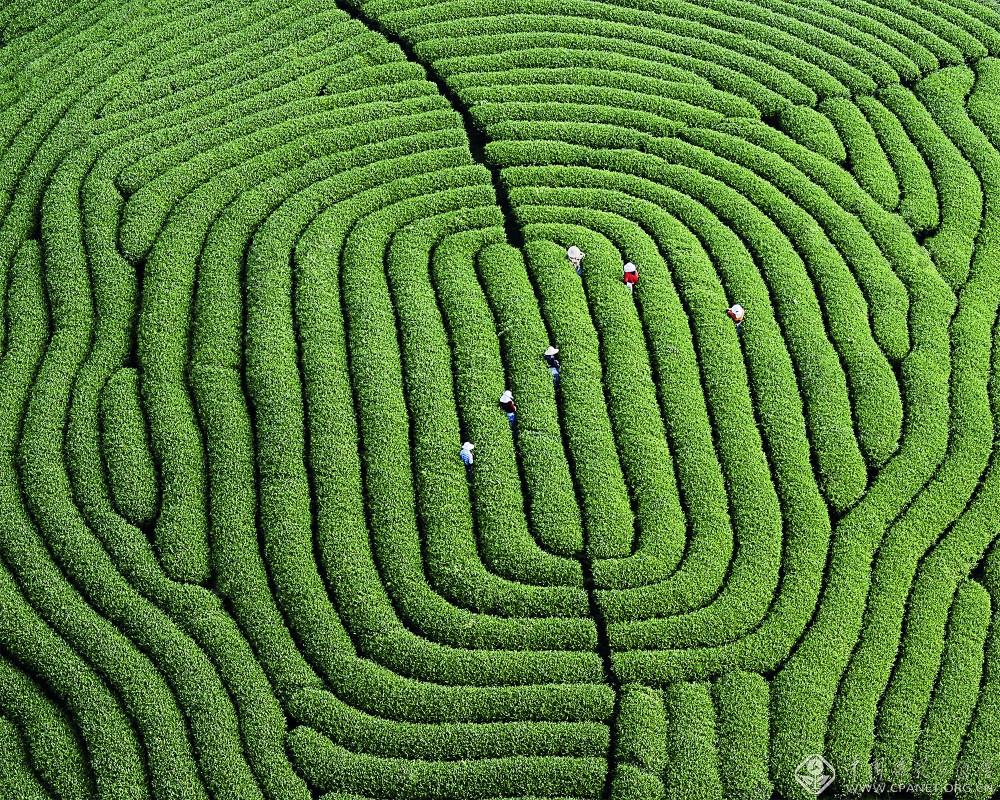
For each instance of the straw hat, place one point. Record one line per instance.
(506, 397)
(630, 267)
(468, 446)
(575, 252)
(552, 351)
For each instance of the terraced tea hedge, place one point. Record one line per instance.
(265, 266)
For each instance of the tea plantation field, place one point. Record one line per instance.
(266, 265)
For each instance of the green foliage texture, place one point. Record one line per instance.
(266, 265)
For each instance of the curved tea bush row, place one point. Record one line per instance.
(741, 719)
(958, 683)
(532, 48)
(241, 557)
(605, 502)
(18, 777)
(958, 187)
(112, 744)
(110, 311)
(640, 751)
(691, 765)
(113, 749)
(982, 742)
(131, 473)
(55, 750)
(869, 162)
(918, 201)
(330, 767)
(957, 479)
(363, 733)
(627, 382)
(502, 528)
(500, 270)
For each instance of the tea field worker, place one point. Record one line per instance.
(736, 314)
(575, 256)
(507, 404)
(466, 455)
(553, 362)
(630, 275)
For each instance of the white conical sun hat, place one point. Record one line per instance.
(574, 252)
(551, 351)
(468, 446)
(506, 397)
(630, 267)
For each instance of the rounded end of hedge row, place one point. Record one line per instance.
(811, 129)
(131, 471)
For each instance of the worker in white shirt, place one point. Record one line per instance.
(466, 455)
(736, 314)
(553, 362)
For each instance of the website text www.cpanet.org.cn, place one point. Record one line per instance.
(915, 789)
(816, 774)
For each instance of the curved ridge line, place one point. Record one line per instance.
(477, 138)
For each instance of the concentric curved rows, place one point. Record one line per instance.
(265, 266)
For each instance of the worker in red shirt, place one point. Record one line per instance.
(630, 275)
(736, 314)
(507, 404)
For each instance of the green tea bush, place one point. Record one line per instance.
(746, 475)
(869, 163)
(741, 715)
(642, 729)
(330, 767)
(603, 494)
(627, 376)
(124, 441)
(632, 783)
(571, 52)
(504, 530)
(18, 779)
(981, 745)
(55, 749)
(957, 185)
(878, 412)
(501, 271)
(789, 79)
(360, 732)
(265, 266)
(814, 131)
(958, 684)
(691, 768)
